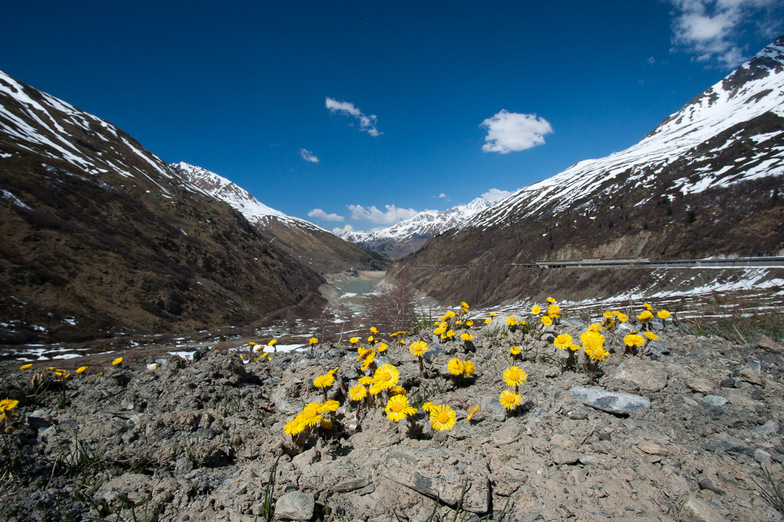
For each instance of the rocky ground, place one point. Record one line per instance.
(682, 433)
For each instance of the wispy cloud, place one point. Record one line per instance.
(512, 131)
(317, 213)
(308, 156)
(390, 216)
(712, 29)
(496, 195)
(366, 123)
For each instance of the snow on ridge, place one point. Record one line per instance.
(423, 224)
(218, 187)
(720, 107)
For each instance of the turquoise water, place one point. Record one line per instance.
(357, 286)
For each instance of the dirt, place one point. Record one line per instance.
(204, 439)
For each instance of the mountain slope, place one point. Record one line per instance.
(705, 182)
(310, 244)
(101, 236)
(409, 235)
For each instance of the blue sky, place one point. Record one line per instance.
(361, 113)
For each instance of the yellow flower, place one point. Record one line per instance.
(442, 418)
(464, 305)
(493, 314)
(469, 323)
(450, 314)
(458, 323)
(591, 340)
(312, 341)
(382, 347)
(117, 361)
(362, 352)
(554, 311)
(373, 330)
(455, 366)
(428, 407)
(26, 366)
(398, 333)
(466, 336)
(329, 406)
(398, 408)
(354, 340)
(366, 380)
(511, 321)
(251, 343)
(372, 339)
(450, 333)
(546, 320)
(645, 316)
(633, 339)
(514, 376)
(6, 405)
(272, 342)
(550, 300)
(418, 348)
(647, 306)
(488, 320)
(326, 424)
(81, 369)
(376, 388)
(536, 310)
(663, 314)
(468, 368)
(441, 329)
(563, 341)
(651, 336)
(594, 327)
(324, 381)
(386, 376)
(357, 393)
(515, 350)
(472, 412)
(509, 399)
(368, 360)
(621, 317)
(398, 390)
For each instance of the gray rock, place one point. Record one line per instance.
(706, 483)
(700, 385)
(696, 510)
(647, 376)
(561, 456)
(295, 505)
(752, 377)
(762, 456)
(769, 428)
(715, 400)
(610, 402)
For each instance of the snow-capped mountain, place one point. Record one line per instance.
(100, 235)
(706, 181)
(754, 89)
(409, 235)
(238, 198)
(307, 242)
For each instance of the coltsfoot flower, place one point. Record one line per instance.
(509, 399)
(563, 341)
(442, 417)
(418, 348)
(514, 376)
(386, 376)
(357, 393)
(456, 366)
(117, 361)
(398, 408)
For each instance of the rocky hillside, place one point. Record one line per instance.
(409, 235)
(311, 245)
(706, 182)
(101, 237)
(685, 432)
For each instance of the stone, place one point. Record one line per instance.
(507, 434)
(561, 456)
(762, 456)
(424, 471)
(750, 376)
(699, 385)
(295, 505)
(652, 448)
(769, 428)
(766, 343)
(647, 376)
(706, 483)
(715, 400)
(696, 510)
(610, 402)
(352, 484)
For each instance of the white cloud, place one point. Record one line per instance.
(512, 131)
(308, 156)
(711, 29)
(320, 214)
(338, 230)
(366, 123)
(391, 216)
(496, 195)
